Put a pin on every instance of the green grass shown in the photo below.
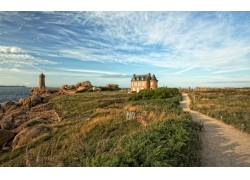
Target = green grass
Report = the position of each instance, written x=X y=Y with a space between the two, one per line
x=93 y=132
x=229 y=105
x=160 y=93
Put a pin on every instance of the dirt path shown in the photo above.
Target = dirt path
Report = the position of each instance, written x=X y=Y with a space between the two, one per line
x=222 y=144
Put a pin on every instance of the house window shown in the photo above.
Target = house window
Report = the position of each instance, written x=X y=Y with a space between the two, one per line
x=143 y=84
x=133 y=89
x=137 y=89
x=142 y=88
x=151 y=83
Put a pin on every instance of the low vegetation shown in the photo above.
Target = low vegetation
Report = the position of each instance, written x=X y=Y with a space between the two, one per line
x=160 y=93
x=229 y=105
x=95 y=131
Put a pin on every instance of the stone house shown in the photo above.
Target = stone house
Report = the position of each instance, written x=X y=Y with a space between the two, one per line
x=145 y=81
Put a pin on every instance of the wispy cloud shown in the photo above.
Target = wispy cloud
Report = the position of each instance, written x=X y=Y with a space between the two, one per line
x=11 y=49
x=229 y=82
x=17 y=56
x=157 y=38
x=231 y=70
x=12 y=70
x=16 y=70
x=116 y=76
x=215 y=42
x=89 y=71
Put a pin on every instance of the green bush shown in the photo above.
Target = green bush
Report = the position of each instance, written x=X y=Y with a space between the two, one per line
x=109 y=89
x=160 y=93
x=172 y=142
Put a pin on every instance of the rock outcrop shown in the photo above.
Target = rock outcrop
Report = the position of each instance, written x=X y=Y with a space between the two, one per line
x=130 y=115
x=29 y=134
x=45 y=92
x=112 y=86
x=24 y=120
x=69 y=89
x=5 y=136
x=86 y=84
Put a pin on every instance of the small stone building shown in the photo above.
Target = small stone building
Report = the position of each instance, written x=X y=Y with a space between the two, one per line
x=145 y=81
x=41 y=84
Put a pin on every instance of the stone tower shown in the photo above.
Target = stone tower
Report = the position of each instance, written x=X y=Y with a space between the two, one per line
x=153 y=82
x=41 y=84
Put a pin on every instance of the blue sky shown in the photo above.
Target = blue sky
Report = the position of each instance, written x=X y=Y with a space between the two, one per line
x=207 y=49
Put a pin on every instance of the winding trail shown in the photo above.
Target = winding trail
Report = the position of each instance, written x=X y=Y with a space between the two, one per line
x=222 y=144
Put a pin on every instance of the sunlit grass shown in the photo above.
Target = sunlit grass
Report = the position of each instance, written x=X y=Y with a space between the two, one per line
x=93 y=133
x=230 y=105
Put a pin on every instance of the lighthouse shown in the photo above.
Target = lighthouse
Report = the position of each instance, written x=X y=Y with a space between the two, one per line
x=41 y=84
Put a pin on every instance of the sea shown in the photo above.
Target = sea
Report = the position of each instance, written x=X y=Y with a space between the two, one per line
x=13 y=93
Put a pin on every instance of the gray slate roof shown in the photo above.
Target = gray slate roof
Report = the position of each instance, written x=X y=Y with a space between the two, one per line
x=153 y=77
x=139 y=77
x=142 y=77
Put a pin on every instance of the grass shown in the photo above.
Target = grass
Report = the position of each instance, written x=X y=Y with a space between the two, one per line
x=94 y=132
x=229 y=105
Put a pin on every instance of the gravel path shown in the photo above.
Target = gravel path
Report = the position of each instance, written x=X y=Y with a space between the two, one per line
x=222 y=144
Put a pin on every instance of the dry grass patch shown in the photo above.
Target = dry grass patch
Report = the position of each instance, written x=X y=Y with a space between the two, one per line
x=134 y=108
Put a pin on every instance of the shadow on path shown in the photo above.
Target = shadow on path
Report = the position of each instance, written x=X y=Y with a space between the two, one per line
x=222 y=144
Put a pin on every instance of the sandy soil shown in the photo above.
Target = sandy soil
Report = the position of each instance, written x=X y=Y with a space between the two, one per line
x=222 y=144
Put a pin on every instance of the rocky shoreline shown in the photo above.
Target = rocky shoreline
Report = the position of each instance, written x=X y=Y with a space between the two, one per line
x=23 y=121
x=71 y=89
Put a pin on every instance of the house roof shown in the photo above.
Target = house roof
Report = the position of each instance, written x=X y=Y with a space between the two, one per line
x=139 y=77
x=153 y=77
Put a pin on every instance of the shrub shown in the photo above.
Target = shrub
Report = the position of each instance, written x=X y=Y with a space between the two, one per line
x=160 y=93
x=172 y=142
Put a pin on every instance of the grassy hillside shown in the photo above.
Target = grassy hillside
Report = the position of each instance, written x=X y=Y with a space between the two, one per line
x=106 y=129
x=229 y=105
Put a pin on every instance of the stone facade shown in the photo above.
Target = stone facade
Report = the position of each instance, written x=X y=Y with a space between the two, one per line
x=41 y=84
x=145 y=81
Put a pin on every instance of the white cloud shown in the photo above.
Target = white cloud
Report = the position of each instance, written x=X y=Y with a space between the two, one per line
x=89 y=71
x=16 y=56
x=173 y=40
x=16 y=70
x=163 y=39
x=11 y=49
x=12 y=70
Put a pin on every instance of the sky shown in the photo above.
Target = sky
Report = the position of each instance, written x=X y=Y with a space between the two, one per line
x=182 y=48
